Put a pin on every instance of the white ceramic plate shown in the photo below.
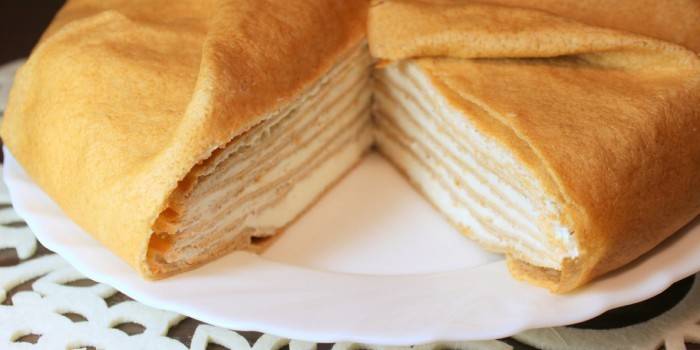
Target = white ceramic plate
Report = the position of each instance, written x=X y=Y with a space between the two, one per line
x=371 y=262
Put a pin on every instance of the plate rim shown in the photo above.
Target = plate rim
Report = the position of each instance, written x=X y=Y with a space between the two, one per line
x=653 y=284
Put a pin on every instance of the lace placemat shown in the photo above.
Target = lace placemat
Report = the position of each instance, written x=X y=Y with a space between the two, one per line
x=46 y=304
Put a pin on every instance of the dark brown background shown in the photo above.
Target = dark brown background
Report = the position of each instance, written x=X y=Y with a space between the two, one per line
x=21 y=24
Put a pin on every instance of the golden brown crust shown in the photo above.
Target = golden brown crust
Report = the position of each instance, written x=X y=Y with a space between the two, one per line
x=675 y=21
x=414 y=29
x=606 y=120
x=119 y=101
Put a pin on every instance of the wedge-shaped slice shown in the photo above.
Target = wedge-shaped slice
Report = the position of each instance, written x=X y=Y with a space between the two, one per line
x=571 y=148
x=476 y=181
x=245 y=193
x=175 y=132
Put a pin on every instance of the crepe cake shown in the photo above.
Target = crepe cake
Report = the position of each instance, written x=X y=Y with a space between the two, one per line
x=571 y=147
x=175 y=132
x=180 y=131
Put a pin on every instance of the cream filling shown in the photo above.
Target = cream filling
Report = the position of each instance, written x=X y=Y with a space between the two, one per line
x=313 y=185
x=266 y=214
x=263 y=180
x=465 y=174
x=403 y=113
x=264 y=190
x=462 y=212
x=288 y=146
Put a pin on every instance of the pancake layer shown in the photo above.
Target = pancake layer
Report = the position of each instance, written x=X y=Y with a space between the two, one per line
x=476 y=183
x=247 y=192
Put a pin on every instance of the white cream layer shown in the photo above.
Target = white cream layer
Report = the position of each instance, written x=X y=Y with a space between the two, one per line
x=466 y=175
x=269 y=175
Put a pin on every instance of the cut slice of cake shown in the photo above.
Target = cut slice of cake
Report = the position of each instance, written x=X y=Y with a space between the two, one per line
x=175 y=132
x=571 y=148
x=249 y=190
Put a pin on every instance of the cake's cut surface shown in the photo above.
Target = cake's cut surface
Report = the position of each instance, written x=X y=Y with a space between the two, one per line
x=256 y=185
x=475 y=181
